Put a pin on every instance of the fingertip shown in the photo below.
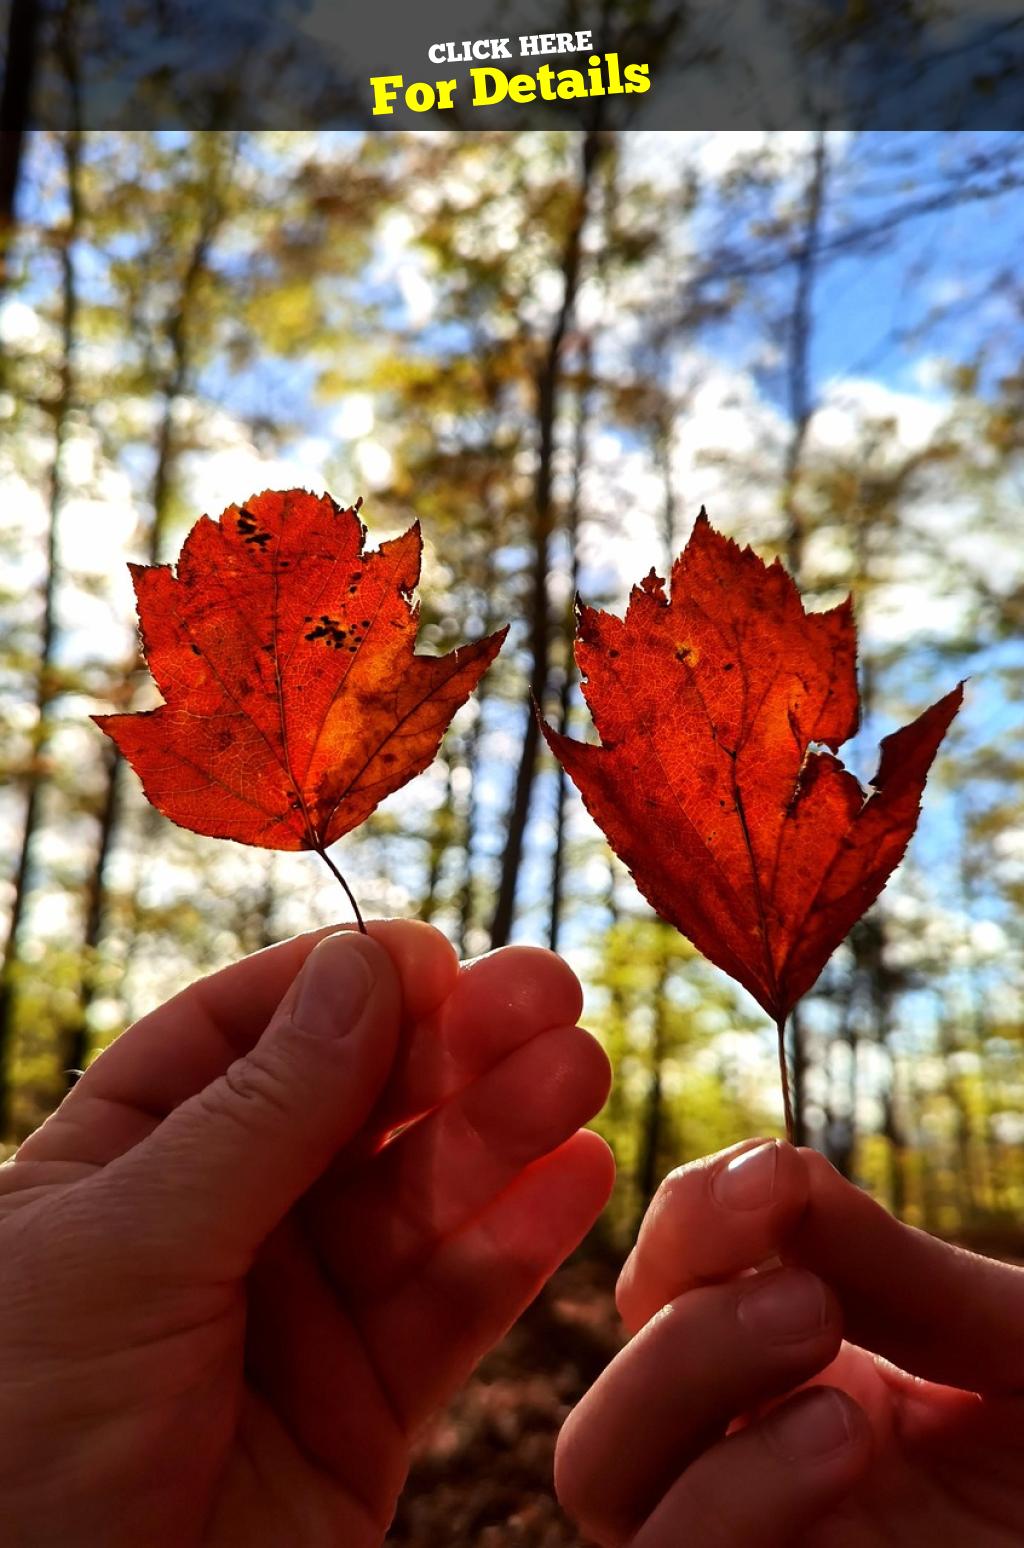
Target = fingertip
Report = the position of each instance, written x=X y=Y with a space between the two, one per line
x=821 y=1427
x=818 y=1170
x=382 y=997
x=531 y=981
x=831 y=1198
x=504 y=999
x=792 y=1185
x=757 y=1174
x=711 y=1219
x=862 y=1436
x=568 y=1071
x=594 y=1067
x=581 y=1175
x=424 y=959
x=596 y=1160
x=622 y=1283
x=551 y=1206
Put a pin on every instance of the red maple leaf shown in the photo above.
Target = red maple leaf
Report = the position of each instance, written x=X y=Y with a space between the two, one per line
x=285 y=652
x=758 y=847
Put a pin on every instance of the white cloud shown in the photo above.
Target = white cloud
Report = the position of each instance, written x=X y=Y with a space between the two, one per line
x=232 y=474
x=660 y=155
x=416 y=290
x=20 y=327
x=374 y=463
x=848 y=403
x=354 y=417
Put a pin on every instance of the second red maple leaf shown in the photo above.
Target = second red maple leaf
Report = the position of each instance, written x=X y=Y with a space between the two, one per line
x=758 y=847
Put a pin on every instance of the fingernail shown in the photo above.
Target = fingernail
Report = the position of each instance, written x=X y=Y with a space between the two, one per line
x=748 y=1181
x=810 y=1426
x=789 y=1304
x=335 y=985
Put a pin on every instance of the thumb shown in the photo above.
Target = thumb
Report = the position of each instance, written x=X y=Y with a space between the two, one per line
x=936 y=1310
x=225 y=1167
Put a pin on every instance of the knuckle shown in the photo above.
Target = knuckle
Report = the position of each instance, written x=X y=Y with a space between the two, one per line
x=676 y=1193
x=252 y=1085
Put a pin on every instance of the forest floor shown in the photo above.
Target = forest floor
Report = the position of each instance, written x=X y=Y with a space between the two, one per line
x=481 y=1477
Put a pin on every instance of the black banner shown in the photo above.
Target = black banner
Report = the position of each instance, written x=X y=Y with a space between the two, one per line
x=513 y=64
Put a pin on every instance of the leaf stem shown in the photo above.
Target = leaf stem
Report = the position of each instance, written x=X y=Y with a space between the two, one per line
x=784 y=1073
x=325 y=857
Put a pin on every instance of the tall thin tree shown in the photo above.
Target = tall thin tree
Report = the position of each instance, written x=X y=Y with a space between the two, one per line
x=62 y=409
x=181 y=343
x=546 y=398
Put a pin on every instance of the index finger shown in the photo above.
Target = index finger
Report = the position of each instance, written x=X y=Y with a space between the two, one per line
x=710 y=1220
x=183 y=1045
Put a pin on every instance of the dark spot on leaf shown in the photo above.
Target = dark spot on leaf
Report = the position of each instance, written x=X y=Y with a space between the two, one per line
x=196 y=651
x=613 y=654
x=329 y=630
x=727 y=666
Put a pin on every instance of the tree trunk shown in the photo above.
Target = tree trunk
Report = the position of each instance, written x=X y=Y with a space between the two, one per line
x=547 y=384
x=892 y=1129
x=438 y=844
x=264 y=931
x=650 y=1149
x=111 y=814
x=15 y=110
x=466 y=892
x=840 y=1143
x=566 y=685
x=48 y=634
x=801 y=411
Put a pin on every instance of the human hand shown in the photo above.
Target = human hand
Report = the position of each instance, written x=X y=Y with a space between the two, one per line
x=675 y=1445
x=229 y=1294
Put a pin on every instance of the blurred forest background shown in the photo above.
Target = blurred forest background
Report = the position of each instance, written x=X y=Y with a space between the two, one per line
x=552 y=349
